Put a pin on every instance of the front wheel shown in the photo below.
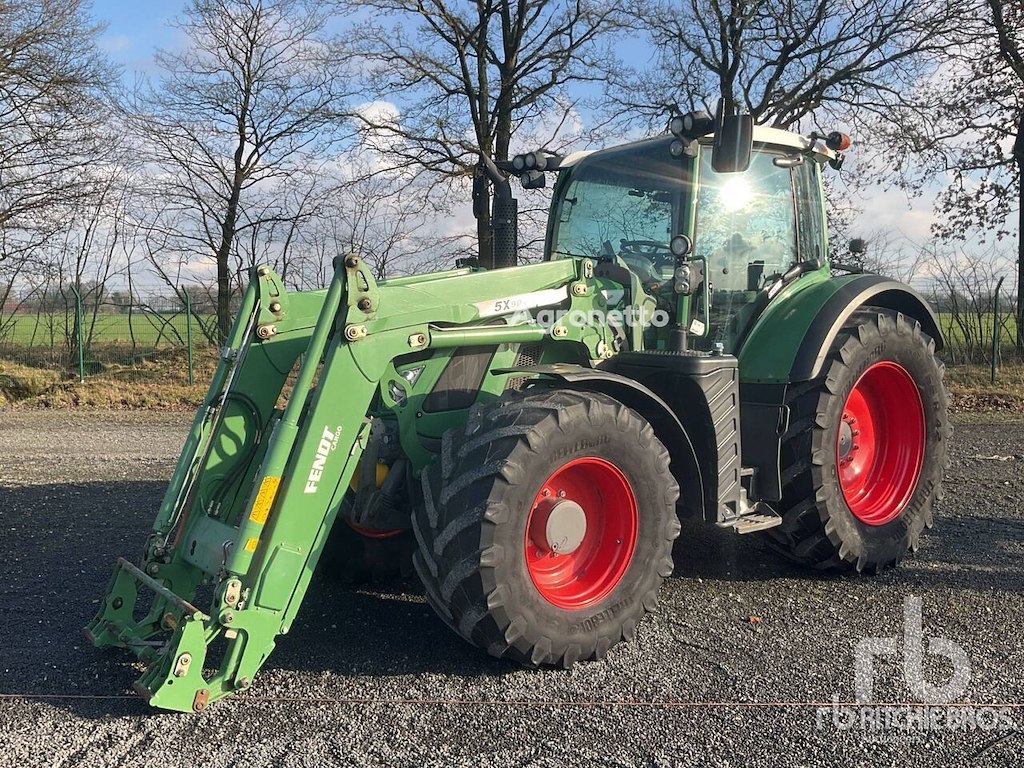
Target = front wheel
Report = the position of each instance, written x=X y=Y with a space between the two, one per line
x=547 y=526
x=864 y=457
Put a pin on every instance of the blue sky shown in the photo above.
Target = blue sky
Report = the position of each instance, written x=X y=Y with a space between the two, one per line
x=135 y=29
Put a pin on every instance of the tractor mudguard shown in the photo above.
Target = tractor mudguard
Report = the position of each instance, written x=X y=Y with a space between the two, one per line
x=656 y=411
x=790 y=340
x=789 y=343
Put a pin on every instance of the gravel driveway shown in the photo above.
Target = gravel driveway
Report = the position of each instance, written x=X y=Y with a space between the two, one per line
x=728 y=672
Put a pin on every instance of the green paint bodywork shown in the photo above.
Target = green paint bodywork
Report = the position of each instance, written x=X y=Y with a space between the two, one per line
x=767 y=353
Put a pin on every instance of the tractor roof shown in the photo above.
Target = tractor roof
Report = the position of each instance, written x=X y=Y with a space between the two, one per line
x=762 y=135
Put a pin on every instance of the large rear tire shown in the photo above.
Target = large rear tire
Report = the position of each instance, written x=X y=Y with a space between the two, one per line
x=547 y=526
x=866 y=449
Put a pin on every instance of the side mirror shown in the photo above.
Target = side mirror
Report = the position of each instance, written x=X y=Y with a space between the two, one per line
x=734 y=140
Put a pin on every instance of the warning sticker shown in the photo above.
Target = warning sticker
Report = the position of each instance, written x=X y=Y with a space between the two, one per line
x=264 y=499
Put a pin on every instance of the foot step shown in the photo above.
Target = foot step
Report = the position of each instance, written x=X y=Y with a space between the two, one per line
x=751 y=523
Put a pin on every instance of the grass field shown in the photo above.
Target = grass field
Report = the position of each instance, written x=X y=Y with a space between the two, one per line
x=155 y=381
x=154 y=328
x=152 y=372
x=150 y=329
x=977 y=327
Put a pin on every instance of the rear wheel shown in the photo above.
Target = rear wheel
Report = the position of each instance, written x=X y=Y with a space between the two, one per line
x=547 y=527
x=866 y=450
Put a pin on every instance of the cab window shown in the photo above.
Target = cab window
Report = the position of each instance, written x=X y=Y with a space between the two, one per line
x=810 y=214
x=626 y=204
x=746 y=222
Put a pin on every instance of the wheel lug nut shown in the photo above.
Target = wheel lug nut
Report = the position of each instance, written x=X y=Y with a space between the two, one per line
x=561 y=494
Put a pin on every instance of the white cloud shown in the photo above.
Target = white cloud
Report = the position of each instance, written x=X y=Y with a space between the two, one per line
x=116 y=43
x=379 y=111
x=891 y=210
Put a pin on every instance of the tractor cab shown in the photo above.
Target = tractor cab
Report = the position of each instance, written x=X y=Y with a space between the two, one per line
x=655 y=209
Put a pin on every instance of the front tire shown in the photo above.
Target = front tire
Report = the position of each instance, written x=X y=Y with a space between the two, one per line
x=547 y=526
x=866 y=450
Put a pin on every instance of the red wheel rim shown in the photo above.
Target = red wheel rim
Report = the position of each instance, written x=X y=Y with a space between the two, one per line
x=581 y=532
x=880 y=445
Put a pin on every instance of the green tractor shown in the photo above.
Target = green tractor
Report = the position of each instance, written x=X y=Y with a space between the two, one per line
x=683 y=350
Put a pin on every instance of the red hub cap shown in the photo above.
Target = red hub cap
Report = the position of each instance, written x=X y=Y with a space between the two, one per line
x=880 y=445
x=581 y=532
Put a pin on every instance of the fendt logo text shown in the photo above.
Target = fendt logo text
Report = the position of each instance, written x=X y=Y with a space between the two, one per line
x=328 y=442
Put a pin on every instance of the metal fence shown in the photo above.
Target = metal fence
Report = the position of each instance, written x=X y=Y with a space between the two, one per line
x=167 y=335
x=81 y=334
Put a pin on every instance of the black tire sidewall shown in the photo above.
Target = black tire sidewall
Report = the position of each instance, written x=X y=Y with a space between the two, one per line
x=882 y=544
x=625 y=603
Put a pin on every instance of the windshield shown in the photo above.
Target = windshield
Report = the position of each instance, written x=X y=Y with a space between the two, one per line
x=622 y=203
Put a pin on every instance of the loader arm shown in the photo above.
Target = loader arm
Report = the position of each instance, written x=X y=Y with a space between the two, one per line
x=258 y=487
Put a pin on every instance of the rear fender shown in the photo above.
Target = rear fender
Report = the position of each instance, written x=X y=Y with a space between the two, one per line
x=789 y=343
x=791 y=339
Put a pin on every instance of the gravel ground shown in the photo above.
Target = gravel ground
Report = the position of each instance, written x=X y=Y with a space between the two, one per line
x=370 y=677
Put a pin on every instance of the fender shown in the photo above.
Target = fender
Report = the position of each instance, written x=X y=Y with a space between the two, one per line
x=656 y=411
x=791 y=338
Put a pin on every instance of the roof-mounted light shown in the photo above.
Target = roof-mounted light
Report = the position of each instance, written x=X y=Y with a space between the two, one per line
x=538 y=160
x=838 y=142
x=691 y=125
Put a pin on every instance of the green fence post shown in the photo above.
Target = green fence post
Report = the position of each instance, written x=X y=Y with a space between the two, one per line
x=996 y=328
x=79 y=334
x=188 y=335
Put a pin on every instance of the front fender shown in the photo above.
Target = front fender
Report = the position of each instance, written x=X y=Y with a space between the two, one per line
x=791 y=338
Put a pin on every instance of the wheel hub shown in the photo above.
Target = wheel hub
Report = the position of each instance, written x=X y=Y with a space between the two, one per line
x=566 y=527
x=847 y=434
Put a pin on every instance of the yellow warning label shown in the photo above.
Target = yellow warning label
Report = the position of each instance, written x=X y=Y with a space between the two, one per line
x=264 y=499
x=250 y=545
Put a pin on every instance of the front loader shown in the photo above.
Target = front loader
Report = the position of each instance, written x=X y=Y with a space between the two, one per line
x=683 y=350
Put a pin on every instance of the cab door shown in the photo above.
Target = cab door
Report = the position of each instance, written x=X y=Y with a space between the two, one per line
x=751 y=227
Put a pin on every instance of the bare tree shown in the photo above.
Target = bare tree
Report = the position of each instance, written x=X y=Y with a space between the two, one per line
x=253 y=100
x=895 y=256
x=388 y=218
x=54 y=96
x=966 y=140
x=963 y=290
x=790 y=61
x=466 y=75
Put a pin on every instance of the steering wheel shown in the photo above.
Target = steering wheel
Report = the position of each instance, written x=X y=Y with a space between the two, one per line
x=651 y=254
